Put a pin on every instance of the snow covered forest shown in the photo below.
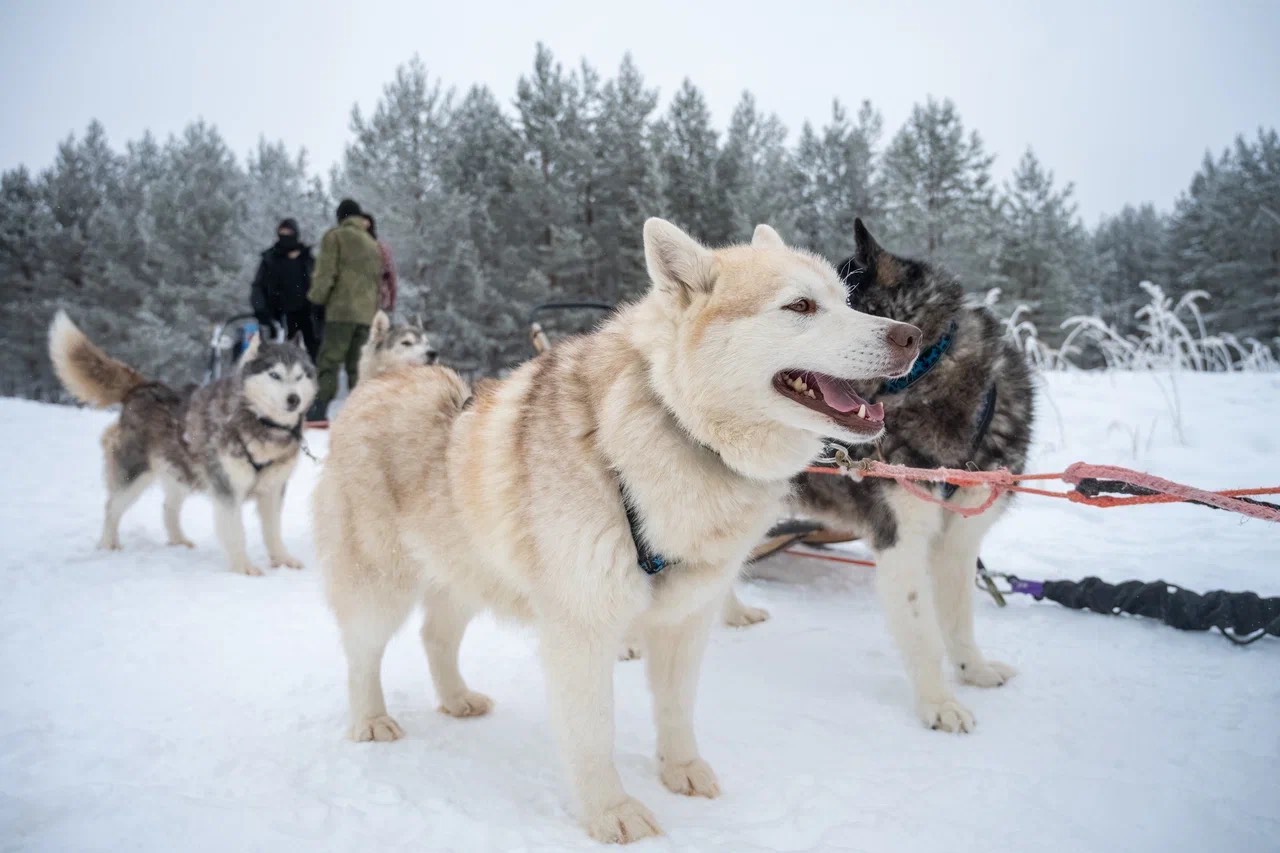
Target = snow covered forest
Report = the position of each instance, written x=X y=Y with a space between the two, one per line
x=491 y=208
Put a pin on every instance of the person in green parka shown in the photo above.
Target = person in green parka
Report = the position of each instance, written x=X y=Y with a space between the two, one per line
x=345 y=284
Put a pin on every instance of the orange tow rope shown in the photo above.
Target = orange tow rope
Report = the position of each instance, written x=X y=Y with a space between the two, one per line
x=1000 y=481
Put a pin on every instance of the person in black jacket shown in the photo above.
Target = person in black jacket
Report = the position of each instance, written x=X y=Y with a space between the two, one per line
x=279 y=294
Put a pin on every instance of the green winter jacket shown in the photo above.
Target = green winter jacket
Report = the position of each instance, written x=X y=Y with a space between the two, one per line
x=347 y=273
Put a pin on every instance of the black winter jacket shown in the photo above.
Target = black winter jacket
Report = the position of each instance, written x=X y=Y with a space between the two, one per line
x=282 y=283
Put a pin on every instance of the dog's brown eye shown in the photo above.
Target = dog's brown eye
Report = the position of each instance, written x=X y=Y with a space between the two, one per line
x=802 y=306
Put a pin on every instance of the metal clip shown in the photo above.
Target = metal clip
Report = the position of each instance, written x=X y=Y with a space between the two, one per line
x=985 y=580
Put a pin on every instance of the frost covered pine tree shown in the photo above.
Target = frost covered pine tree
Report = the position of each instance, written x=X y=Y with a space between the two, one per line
x=836 y=181
x=479 y=318
x=1225 y=236
x=687 y=152
x=26 y=238
x=939 y=198
x=1131 y=247
x=754 y=172
x=1044 y=258
x=279 y=185
x=196 y=214
x=627 y=189
x=555 y=112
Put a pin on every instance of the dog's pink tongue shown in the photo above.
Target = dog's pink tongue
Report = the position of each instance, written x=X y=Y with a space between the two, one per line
x=836 y=394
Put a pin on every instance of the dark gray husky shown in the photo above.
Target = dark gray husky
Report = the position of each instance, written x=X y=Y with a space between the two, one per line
x=967 y=402
x=236 y=438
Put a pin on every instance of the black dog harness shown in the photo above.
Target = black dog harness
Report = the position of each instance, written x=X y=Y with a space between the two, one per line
x=295 y=432
x=650 y=561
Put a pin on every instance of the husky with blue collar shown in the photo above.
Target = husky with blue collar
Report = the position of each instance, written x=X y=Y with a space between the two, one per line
x=616 y=482
x=966 y=402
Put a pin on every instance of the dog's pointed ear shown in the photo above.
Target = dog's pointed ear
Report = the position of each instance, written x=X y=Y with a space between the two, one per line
x=766 y=238
x=866 y=249
x=417 y=322
x=380 y=326
x=251 y=351
x=678 y=264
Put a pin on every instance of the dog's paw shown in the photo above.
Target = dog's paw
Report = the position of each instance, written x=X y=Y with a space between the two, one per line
x=381 y=728
x=286 y=560
x=693 y=779
x=109 y=545
x=629 y=651
x=624 y=823
x=947 y=715
x=745 y=616
x=990 y=673
x=247 y=569
x=468 y=704
x=182 y=542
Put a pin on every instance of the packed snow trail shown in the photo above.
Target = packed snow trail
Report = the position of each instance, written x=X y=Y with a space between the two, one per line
x=154 y=701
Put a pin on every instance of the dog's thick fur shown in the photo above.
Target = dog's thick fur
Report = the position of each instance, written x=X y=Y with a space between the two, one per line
x=925 y=555
x=236 y=438
x=511 y=500
x=394 y=345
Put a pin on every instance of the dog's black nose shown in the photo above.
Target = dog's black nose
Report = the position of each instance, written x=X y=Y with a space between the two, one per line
x=292 y=401
x=432 y=355
x=903 y=335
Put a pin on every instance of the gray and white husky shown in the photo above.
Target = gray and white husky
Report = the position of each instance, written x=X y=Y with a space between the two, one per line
x=967 y=402
x=236 y=438
x=392 y=346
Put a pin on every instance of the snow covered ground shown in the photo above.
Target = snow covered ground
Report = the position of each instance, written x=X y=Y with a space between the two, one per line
x=151 y=700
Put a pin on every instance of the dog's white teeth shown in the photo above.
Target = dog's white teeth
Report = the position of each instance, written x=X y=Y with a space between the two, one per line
x=811 y=394
x=862 y=411
x=799 y=385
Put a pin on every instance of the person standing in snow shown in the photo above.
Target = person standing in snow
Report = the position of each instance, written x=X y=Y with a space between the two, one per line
x=387 y=284
x=279 y=291
x=346 y=283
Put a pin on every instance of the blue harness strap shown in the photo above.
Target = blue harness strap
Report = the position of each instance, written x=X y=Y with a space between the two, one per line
x=924 y=363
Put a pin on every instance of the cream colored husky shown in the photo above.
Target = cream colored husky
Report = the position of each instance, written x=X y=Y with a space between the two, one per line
x=694 y=407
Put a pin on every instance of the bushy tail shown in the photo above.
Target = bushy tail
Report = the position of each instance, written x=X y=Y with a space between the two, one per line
x=92 y=376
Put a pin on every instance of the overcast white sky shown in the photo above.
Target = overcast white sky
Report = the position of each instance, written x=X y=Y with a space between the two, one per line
x=1122 y=98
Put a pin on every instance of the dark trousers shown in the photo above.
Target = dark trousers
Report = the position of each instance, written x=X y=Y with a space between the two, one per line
x=302 y=321
x=341 y=347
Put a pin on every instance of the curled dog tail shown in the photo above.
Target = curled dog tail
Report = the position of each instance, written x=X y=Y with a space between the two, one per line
x=92 y=376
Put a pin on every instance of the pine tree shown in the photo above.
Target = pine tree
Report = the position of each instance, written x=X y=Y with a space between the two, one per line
x=280 y=186
x=556 y=113
x=196 y=212
x=26 y=239
x=1226 y=236
x=939 y=198
x=1132 y=247
x=836 y=180
x=1044 y=259
x=754 y=173
x=687 y=152
x=626 y=184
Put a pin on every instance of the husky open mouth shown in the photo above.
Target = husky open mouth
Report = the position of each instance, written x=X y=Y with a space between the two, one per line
x=833 y=397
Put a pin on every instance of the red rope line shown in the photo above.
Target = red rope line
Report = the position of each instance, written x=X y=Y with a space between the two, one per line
x=1000 y=481
x=795 y=552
